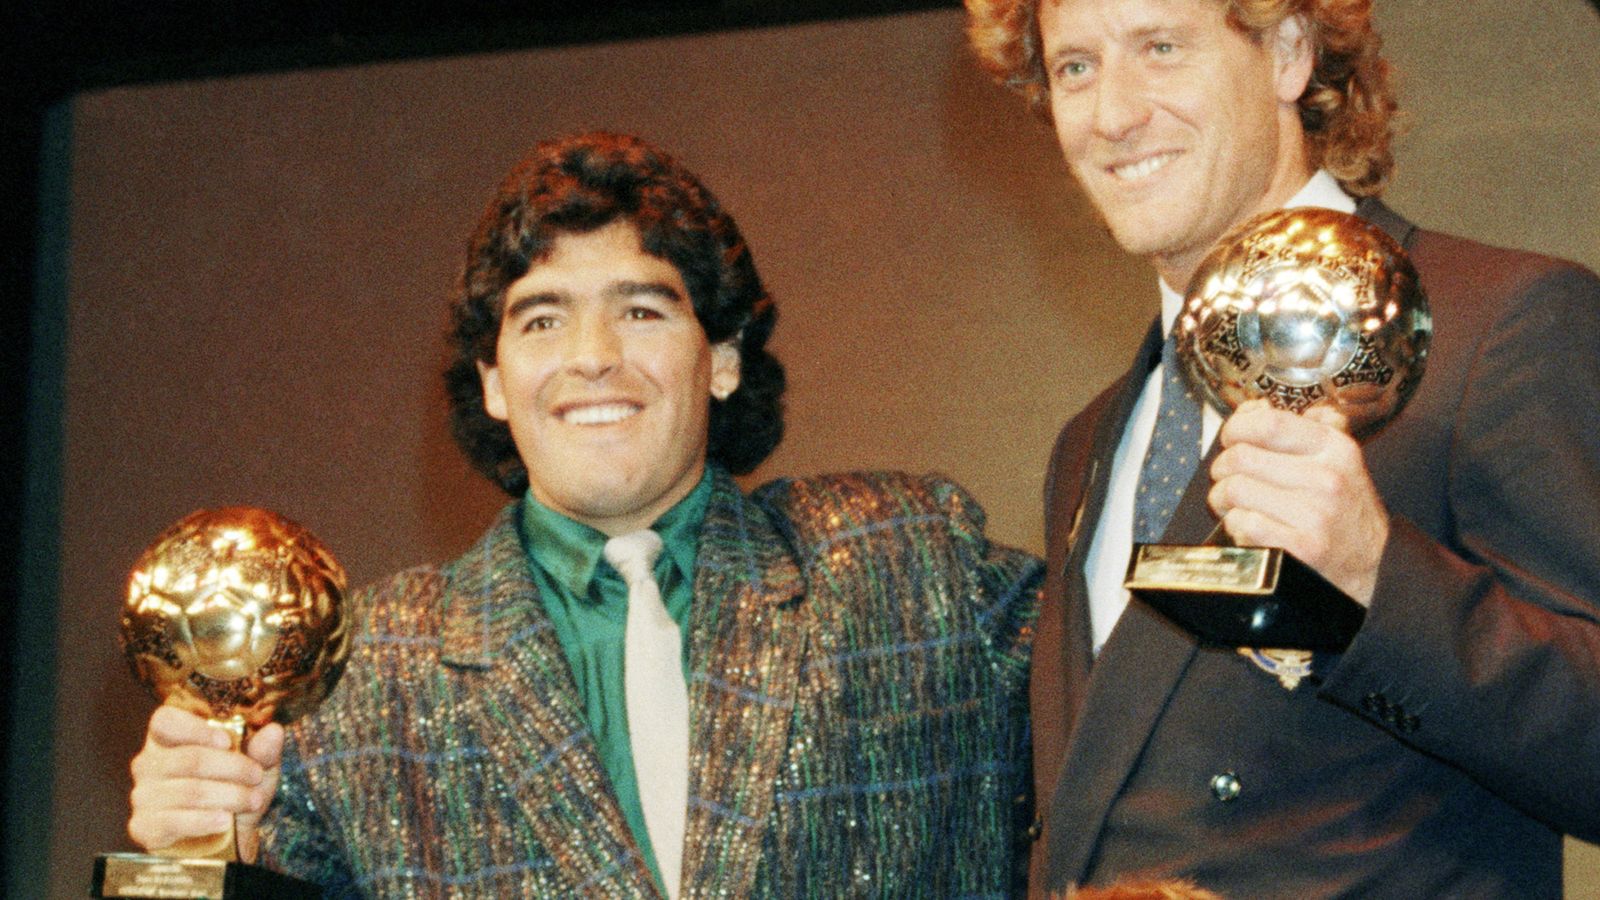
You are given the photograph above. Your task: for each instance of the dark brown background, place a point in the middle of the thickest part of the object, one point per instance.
(252, 274)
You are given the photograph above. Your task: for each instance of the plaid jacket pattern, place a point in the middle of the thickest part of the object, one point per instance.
(858, 657)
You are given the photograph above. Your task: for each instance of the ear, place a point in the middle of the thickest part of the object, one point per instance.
(725, 368)
(1294, 58)
(494, 394)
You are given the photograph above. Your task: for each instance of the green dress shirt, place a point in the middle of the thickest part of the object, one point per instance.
(587, 602)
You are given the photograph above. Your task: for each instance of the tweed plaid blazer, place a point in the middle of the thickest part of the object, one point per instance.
(858, 656)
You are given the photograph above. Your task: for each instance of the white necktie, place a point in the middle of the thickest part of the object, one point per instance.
(657, 701)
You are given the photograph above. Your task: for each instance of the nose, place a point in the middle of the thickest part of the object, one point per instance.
(593, 348)
(1121, 106)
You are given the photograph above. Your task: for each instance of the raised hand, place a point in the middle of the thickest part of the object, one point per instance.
(1299, 482)
(189, 782)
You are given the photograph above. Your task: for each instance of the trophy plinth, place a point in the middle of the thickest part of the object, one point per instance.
(144, 875)
(1303, 307)
(1244, 596)
(235, 615)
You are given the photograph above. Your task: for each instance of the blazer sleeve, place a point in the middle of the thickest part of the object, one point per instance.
(1006, 584)
(1007, 587)
(294, 839)
(1483, 649)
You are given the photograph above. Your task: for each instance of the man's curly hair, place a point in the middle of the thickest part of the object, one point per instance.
(574, 185)
(1347, 109)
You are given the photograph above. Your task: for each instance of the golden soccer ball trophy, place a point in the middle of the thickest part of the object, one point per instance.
(237, 615)
(1302, 307)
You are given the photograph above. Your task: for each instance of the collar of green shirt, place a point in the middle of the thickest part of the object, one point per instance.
(570, 552)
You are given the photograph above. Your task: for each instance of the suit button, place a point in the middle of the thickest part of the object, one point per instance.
(1375, 704)
(1410, 724)
(1226, 786)
(1035, 829)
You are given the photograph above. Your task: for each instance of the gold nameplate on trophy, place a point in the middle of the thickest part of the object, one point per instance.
(131, 875)
(140, 875)
(1201, 568)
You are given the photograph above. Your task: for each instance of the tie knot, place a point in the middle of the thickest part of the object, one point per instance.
(634, 554)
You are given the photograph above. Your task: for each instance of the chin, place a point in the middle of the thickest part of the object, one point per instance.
(581, 494)
(608, 501)
(1140, 241)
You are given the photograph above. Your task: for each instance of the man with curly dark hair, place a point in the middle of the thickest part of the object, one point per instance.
(1449, 747)
(559, 190)
(814, 690)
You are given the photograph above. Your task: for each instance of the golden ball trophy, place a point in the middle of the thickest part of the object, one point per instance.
(236, 615)
(1303, 307)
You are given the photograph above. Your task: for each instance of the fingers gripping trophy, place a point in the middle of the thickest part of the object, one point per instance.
(1303, 307)
(236, 615)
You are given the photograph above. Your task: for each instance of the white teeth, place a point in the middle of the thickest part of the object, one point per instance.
(603, 414)
(1143, 167)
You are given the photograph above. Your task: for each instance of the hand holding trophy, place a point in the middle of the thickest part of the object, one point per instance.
(235, 615)
(1302, 307)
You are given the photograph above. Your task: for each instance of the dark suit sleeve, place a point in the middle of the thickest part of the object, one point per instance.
(1482, 647)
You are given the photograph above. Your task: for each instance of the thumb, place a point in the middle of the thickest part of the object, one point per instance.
(1329, 415)
(266, 748)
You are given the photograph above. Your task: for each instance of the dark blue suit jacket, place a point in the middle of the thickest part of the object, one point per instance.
(1448, 749)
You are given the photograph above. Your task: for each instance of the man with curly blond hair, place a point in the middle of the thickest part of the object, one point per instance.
(1454, 741)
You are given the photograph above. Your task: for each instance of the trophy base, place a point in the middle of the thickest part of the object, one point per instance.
(142, 875)
(1244, 596)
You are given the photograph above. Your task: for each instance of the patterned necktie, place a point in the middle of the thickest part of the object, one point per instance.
(657, 701)
(1174, 451)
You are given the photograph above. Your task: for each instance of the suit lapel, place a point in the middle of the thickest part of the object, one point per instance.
(1373, 210)
(746, 645)
(1075, 490)
(524, 704)
(1107, 431)
(1075, 493)
(1121, 694)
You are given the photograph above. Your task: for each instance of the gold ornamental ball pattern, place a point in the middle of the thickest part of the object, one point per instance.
(237, 614)
(1303, 307)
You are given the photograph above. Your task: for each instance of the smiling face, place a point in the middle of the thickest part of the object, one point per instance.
(605, 377)
(1177, 125)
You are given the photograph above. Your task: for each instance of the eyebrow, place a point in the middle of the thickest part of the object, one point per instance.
(616, 290)
(624, 289)
(1138, 34)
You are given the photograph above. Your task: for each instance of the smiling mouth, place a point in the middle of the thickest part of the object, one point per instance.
(598, 414)
(1149, 165)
